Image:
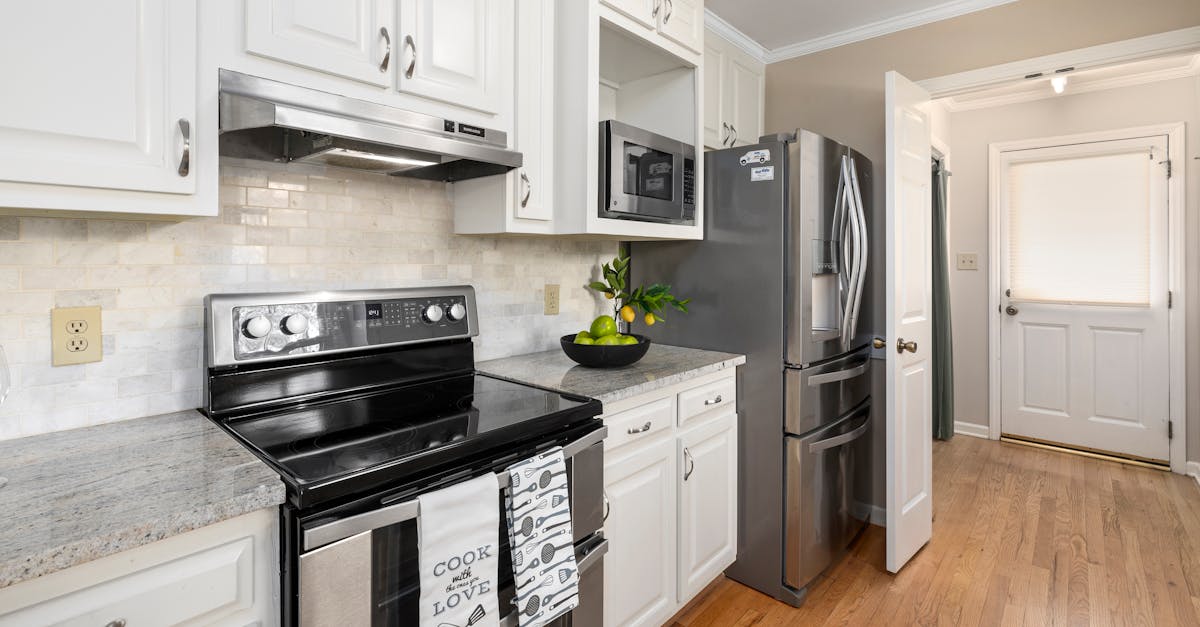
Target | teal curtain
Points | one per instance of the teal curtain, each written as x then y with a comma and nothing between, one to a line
943,357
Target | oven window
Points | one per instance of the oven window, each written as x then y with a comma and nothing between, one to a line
648,172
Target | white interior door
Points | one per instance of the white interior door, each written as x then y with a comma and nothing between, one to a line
1083,264
909,264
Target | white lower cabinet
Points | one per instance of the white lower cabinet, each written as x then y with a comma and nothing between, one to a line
223,574
639,569
707,503
670,482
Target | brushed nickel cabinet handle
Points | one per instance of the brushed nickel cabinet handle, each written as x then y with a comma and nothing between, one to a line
713,401
528,189
667,15
687,456
185,159
412,62
607,507
387,53
636,430
657,5
118,622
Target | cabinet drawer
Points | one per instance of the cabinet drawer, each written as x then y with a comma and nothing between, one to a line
715,395
199,588
640,423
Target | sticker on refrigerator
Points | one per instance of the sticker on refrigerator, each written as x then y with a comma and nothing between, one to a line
763,173
755,156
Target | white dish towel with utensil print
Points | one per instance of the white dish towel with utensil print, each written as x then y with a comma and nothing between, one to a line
541,539
458,533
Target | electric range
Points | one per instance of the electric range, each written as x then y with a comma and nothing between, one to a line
363,400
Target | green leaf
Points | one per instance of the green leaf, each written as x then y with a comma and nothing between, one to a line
598,286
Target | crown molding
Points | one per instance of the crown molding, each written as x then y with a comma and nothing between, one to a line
730,33
954,105
1129,50
937,13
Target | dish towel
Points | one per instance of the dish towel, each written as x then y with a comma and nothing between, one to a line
458,533
541,538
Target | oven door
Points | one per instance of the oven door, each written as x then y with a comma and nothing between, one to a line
646,176
363,570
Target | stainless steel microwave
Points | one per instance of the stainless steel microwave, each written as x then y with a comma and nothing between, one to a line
645,176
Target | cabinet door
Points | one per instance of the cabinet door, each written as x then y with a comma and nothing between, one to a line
639,570
714,76
682,21
707,503
535,109
743,101
95,92
645,12
457,51
354,39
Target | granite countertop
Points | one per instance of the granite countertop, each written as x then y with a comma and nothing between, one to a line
75,496
662,366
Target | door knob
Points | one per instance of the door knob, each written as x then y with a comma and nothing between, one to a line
902,346
1010,310
878,342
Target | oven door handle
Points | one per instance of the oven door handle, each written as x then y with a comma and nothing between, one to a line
582,565
411,509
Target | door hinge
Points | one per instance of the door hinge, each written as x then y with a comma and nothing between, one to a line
1168,164
1170,430
1170,299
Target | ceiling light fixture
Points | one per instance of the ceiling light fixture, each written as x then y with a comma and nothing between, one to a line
1059,83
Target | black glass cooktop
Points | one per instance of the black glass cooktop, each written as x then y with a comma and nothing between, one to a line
340,447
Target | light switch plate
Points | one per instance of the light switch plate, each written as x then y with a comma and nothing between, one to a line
551,305
75,335
968,261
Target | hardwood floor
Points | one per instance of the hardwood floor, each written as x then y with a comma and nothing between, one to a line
1021,536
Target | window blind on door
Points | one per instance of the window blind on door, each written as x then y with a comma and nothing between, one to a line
1079,229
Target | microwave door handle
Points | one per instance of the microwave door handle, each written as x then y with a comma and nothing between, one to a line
411,509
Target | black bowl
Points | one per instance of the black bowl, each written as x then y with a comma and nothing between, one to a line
594,356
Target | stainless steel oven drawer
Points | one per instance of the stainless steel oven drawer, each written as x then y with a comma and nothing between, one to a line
819,395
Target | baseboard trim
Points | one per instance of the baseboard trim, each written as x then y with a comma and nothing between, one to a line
1193,469
971,429
871,513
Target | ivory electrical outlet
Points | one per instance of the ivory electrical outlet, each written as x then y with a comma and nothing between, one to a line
551,292
75,335
968,261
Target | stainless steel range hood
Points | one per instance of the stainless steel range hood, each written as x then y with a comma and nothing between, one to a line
268,120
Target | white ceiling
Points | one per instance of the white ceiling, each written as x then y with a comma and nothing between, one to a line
780,29
1083,81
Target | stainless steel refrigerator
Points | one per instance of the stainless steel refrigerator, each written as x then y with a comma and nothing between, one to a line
780,277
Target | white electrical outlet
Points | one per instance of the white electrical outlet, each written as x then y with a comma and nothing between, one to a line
75,335
551,297
968,261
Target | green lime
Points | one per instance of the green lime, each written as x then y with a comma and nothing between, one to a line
584,340
628,339
609,340
602,326
583,335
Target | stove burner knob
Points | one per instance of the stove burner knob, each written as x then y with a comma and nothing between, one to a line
457,312
433,313
256,327
294,324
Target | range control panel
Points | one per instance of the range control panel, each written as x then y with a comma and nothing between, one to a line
258,331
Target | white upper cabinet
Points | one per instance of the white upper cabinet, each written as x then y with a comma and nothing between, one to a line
349,38
535,110
734,84
682,21
97,95
457,51
644,12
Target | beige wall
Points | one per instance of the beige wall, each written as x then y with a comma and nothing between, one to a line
839,92
971,132
281,228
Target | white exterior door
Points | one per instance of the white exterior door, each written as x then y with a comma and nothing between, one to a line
457,51
682,21
639,569
95,93
909,465
1083,265
353,39
707,503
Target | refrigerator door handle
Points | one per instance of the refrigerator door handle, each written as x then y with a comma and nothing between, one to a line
818,380
845,438
862,249
850,313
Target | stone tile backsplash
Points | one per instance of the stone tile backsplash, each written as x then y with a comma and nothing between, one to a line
280,228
